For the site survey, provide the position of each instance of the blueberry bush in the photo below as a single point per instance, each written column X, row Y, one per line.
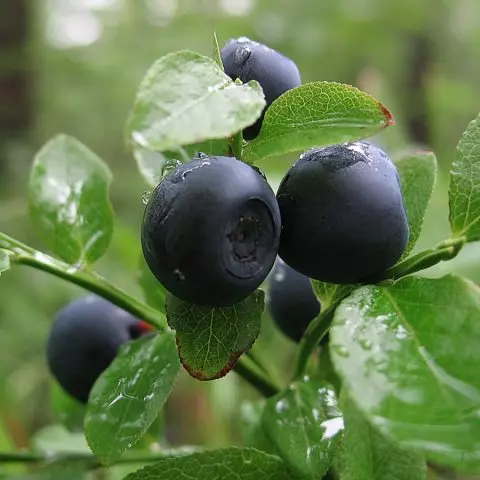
column 385, row 383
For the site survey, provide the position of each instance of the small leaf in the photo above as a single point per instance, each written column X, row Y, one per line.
column 128, row 396
column 329, row 293
column 408, row 355
column 417, row 174
column 153, row 291
column 4, row 261
column 224, row 464
column 217, row 56
column 315, row 114
column 305, row 426
column 153, row 166
column 210, row 340
column 367, row 455
column 69, row 201
column 464, row 192
column 186, row 98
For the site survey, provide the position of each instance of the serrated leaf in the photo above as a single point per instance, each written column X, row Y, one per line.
column 417, row 174
column 69, row 201
column 306, row 427
column 154, row 292
column 186, row 98
column 128, row 396
column 464, row 191
column 367, row 455
column 210, row 340
column 153, row 166
column 408, row 355
column 4, row 261
column 224, row 464
column 316, row 114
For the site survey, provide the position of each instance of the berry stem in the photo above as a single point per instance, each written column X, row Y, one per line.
column 250, row 372
column 236, row 145
column 444, row 251
column 24, row 255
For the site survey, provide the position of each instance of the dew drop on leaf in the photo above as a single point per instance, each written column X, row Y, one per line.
column 146, row 196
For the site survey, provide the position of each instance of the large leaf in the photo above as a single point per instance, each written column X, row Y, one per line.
column 417, row 176
column 224, row 464
column 186, row 98
column 367, row 455
column 409, row 355
column 314, row 114
column 305, row 426
column 128, row 396
column 210, row 340
column 464, row 192
column 153, row 166
column 69, row 201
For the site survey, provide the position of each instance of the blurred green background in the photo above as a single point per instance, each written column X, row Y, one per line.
column 73, row 66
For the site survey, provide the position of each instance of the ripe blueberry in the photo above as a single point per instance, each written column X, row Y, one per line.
column 211, row 230
column 248, row 60
column 291, row 302
column 343, row 214
column 84, row 340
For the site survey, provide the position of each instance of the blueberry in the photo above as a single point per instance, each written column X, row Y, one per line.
column 84, row 340
column 291, row 302
column 342, row 213
column 211, row 230
column 248, row 60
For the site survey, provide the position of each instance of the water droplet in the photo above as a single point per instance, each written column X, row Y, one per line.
column 332, row 427
column 149, row 397
column 365, row 343
column 146, row 196
column 201, row 156
column 170, row 165
column 341, row 351
column 281, row 406
column 179, row 275
column 242, row 54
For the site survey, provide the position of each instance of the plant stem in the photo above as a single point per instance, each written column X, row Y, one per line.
column 247, row 369
column 236, row 145
column 444, row 251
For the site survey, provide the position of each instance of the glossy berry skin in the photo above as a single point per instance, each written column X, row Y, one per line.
column 248, row 60
column 343, row 214
column 84, row 340
column 291, row 302
column 211, row 230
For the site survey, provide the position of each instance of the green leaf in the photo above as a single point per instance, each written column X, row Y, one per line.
column 154, row 292
column 69, row 201
column 408, row 355
column 186, row 98
column 367, row 455
column 128, row 396
column 305, row 426
column 210, row 340
column 217, row 56
column 329, row 293
column 417, row 173
column 464, row 191
column 314, row 114
column 224, row 464
column 153, row 166
column 4, row 261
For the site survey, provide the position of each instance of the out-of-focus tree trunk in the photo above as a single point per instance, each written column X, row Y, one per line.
column 15, row 72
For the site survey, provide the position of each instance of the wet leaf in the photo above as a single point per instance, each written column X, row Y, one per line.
column 417, row 174
column 464, row 192
column 224, row 464
column 306, row 427
column 368, row 455
column 210, row 340
column 153, row 166
column 128, row 396
column 316, row 114
column 69, row 202
column 186, row 98
column 408, row 356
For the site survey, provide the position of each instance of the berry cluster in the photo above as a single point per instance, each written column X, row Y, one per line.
column 213, row 228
